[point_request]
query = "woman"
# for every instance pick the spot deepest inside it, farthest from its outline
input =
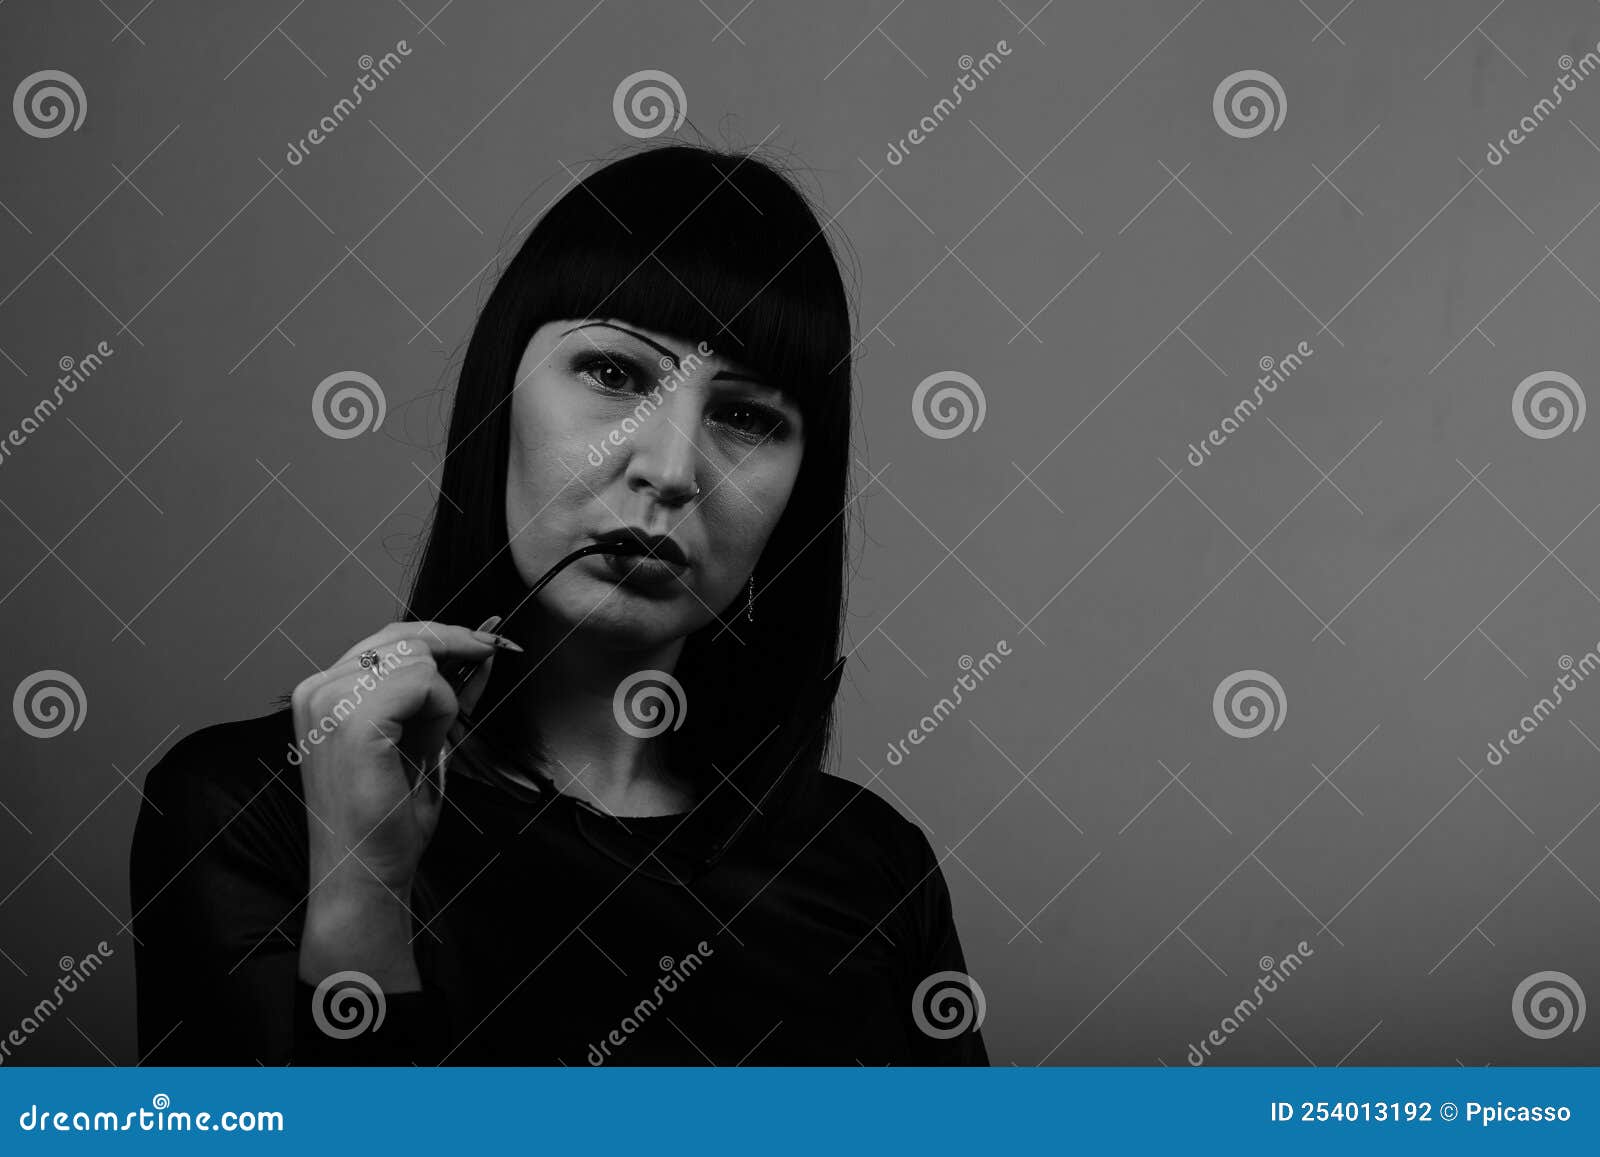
(597, 829)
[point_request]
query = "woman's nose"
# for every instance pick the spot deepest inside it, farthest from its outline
(665, 458)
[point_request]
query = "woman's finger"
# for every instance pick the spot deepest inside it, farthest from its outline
(444, 640)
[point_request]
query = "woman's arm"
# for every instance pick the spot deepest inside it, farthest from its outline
(216, 904)
(940, 995)
(218, 879)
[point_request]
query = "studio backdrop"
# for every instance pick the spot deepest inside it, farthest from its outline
(1225, 573)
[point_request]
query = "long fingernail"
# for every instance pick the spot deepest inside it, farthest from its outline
(499, 641)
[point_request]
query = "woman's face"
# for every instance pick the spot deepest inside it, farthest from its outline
(613, 426)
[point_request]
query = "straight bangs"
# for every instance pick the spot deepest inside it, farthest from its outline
(682, 249)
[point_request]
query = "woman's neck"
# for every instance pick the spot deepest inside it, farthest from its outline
(568, 702)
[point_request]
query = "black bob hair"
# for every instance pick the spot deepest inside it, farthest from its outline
(709, 245)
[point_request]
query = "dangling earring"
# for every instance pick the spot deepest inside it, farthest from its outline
(750, 600)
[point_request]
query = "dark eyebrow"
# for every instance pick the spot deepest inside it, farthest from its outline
(721, 375)
(657, 346)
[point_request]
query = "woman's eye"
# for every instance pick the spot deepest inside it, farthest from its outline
(761, 423)
(606, 373)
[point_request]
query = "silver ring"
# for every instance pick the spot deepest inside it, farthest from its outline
(696, 493)
(369, 658)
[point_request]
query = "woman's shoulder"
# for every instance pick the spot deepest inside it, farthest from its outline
(213, 773)
(842, 812)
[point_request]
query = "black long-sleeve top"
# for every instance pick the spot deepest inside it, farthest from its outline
(537, 943)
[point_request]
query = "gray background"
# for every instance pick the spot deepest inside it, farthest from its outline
(1381, 537)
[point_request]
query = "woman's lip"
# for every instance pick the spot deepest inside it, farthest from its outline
(639, 570)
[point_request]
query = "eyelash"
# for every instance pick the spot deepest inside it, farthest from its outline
(775, 427)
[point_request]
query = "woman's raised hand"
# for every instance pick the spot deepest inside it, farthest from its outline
(372, 737)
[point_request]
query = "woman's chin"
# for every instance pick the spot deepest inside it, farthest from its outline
(618, 614)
